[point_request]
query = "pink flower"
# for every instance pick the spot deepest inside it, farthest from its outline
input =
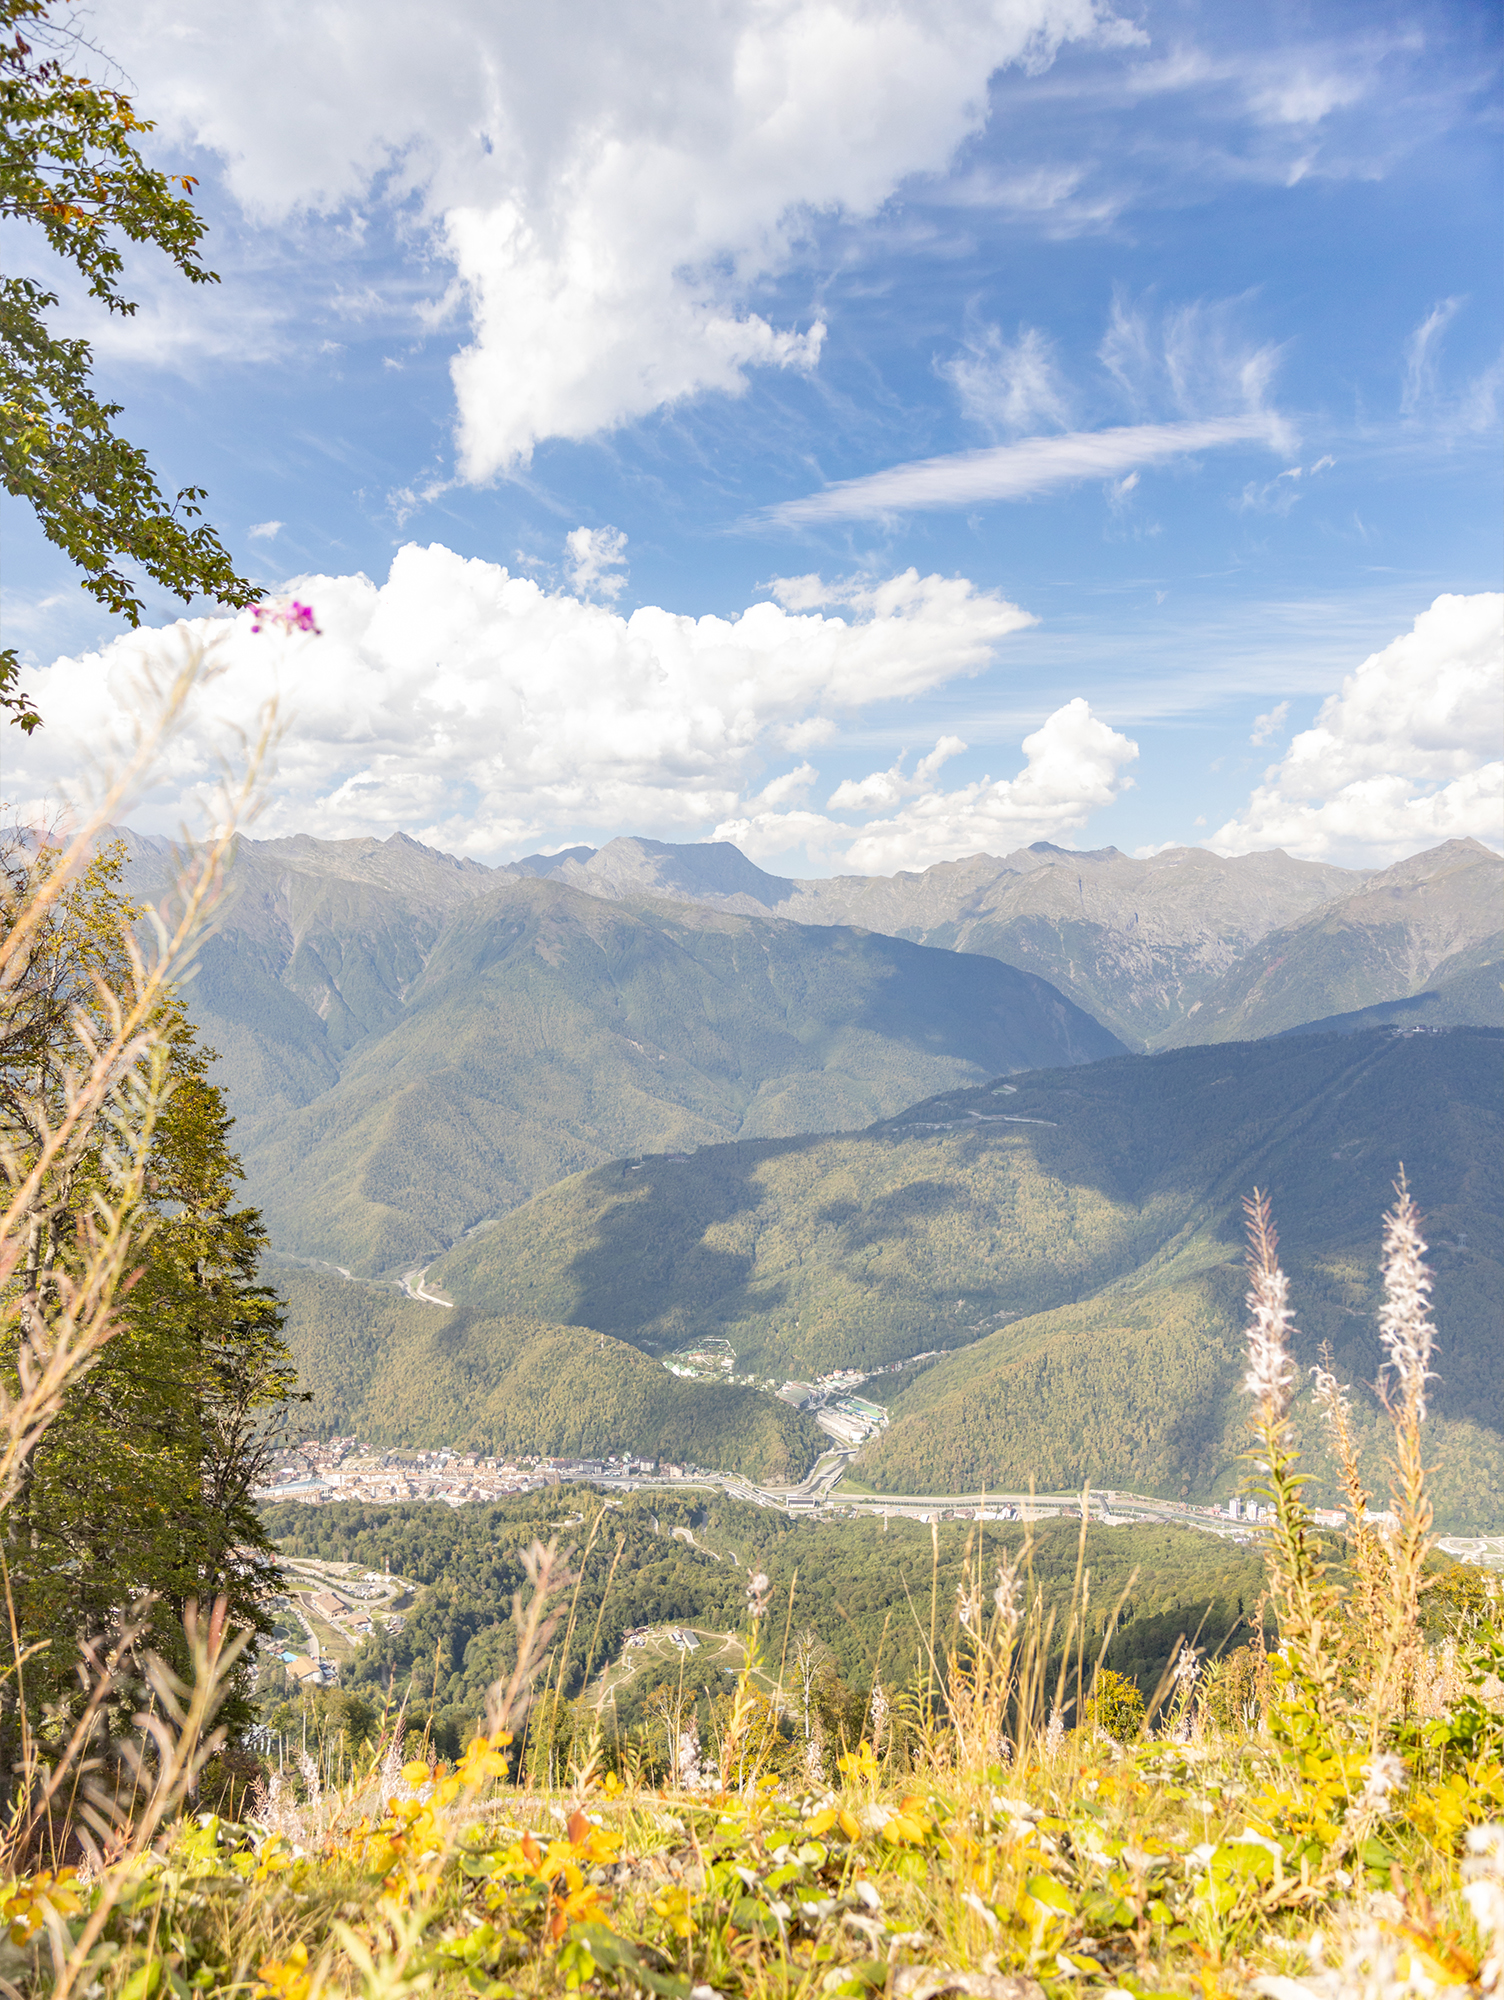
(292, 617)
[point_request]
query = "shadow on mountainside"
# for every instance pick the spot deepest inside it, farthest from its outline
(989, 1205)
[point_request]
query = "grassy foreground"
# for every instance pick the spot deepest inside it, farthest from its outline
(1216, 1863)
(1321, 1821)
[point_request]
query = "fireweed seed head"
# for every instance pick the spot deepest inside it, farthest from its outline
(1405, 1328)
(1271, 1367)
(1006, 1596)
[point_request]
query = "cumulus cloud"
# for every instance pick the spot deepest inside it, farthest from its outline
(477, 711)
(1405, 754)
(266, 531)
(1267, 727)
(1075, 765)
(597, 560)
(609, 197)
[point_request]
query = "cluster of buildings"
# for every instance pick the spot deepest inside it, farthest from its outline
(1259, 1513)
(317, 1471)
(848, 1418)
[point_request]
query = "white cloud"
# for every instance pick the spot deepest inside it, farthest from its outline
(886, 788)
(1421, 350)
(1016, 471)
(1052, 198)
(1267, 727)
(944, 750)
(1280, 494)
(597, 560)
(1404, 755)
(1075, 766)
(475, 710)
(1009, 386)
(1304, 97)
(1195, 360)
(609, 196)
(792, 785)
(266, 531)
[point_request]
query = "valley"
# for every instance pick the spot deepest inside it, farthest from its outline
(533, 1142)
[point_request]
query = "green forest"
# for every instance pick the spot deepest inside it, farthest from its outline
(397, 1371)
(861, 1597)
(1072, 1239)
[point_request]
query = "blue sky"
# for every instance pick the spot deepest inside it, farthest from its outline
(1163, 346)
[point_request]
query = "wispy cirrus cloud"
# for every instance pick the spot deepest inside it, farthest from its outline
(1029, 466)
(1421, 352)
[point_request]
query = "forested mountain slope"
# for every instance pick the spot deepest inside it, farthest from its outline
(1077, 1235)
(411, 1045)
(397, 1371)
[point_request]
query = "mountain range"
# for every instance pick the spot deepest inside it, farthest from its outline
(414, 1044)
(1005, 1109)
(411, 1045)
(1180, 946)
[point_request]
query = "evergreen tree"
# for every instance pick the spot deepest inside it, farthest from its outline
(141, 1488)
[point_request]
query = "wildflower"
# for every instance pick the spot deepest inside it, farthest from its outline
(757, 1595)
(1330, 1395)
(312, 1779)
(673, 1904)
(1187, 1668)
(285, 1978)
(294, 617)
(692, 1777)
(483, 1760)
(859, 1766)
(1271, 1370)
(814, 1756)
(26, 1908)
(1054, 1734)
(1404, 1318)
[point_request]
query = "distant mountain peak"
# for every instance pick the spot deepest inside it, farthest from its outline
(691, 871)
(1076, 853)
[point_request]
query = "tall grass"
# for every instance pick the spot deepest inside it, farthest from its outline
(1314, 1821)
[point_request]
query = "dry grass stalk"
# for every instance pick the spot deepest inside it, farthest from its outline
(1368, 1561)
(549, 1574)
(113, 1086)
(174, 1740)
